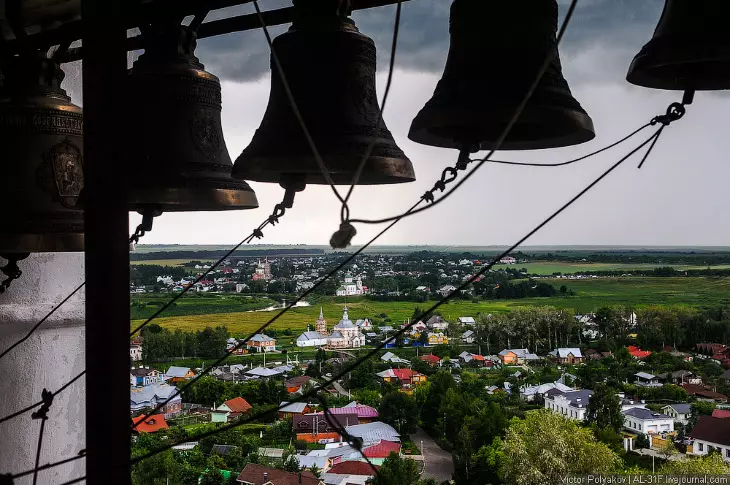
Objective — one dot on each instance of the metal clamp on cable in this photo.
(674, 112)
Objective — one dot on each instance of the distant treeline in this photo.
(658, 272)
(668, 258)
(217, 254)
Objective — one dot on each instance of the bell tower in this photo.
(321, 323)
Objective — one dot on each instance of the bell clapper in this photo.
(148, 216)
(11, 270)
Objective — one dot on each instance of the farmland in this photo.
(552, 267)
(589, 294)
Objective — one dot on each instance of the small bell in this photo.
(41, 135)
(329, 67)
(690, 49)
(489, 71)
(177, 152)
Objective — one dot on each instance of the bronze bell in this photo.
(41, 135)
(330, 68)
(176, 148)
(488, 73)
(690, 49)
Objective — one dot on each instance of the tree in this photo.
(711, 464)
(397, 471)
(545, 446)
(604, 408)
(699, 408)
(642, 441)
(400, 411)
(667, 448)
(423, 338)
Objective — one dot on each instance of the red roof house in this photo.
(637, 353)
(354, 468)
(382, 450)
(721, 413)
(238, 405)
(701, 392)
(259, 475)
(430, 359)
(150, 424)
(404, 377)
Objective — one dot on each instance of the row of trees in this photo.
(161, 344)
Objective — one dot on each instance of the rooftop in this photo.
(645, 414)
(150, 424)
(713, 430)
(254, 474)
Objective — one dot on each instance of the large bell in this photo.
(488, 73)
(41, 135)
(690, 49)
(177, 153)
(330, 68)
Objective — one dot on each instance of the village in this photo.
(668, 399)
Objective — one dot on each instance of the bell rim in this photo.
(584, 132)
(42, 243)
(399, 170)
(192, 200)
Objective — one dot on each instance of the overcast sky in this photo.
(678, 198)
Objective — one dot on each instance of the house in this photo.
(637, 353)
(404, 377)
(529, 393)
(437, 338)
(151, 396)
(373, 433)
(721, 413)
(350, 472)
(229, 410)
(135, 352)
(571, 404)
(468, 337)
(272, 454)
(644, 379)
(179, 374)
(679, 412)
(311, 339)
(295, 383)
(711, 434)
(469, 358)
(416, 328)
(254, 474)
(646, 421)
(467, 321)
(703, 394)
(430, 359)
(446, 290)
(681, 377)
(437, 322)
(144, 376)
(378, 452)
(508, 260)
(364, 324)
(517, 356)
(261, 343)
(322, 463)
(726, 375)
(567, 355)
(391, 357)
(266, 373)
(223, 450)
(364, 413)
(316, 428)
(149, 424)
(289, 410)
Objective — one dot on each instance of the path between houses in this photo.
(439, 464)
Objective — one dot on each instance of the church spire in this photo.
(321, 313)
(344, 313)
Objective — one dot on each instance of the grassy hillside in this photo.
(590, 294)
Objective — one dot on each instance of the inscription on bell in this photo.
(61, 173)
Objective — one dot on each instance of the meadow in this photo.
(590, 294)
(551, 267)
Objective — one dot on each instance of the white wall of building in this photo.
(701, 447)
(638, 425)
(48, 359)
(560, 405)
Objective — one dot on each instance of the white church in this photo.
(345, 335)
(351, 288)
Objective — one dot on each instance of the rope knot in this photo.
(257, 233)
(674, 112)
(428, 196)
(47, 398)
(343, 236)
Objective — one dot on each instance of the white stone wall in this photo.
(560, 405)
(48, 359)
(701, 447)
(648, 426)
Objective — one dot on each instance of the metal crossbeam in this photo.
(174, 9)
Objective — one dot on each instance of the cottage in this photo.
(680, 377)
(571, 404)
(437, 338)
(646, 421)
(149, 424)
(144, 376)
(179, 374)
(261, 343)
(517, 357)
(437, 322)
(316, 428)
(350, 472)
(135, 352)
(289, 410)
(637, 353)
(405, 378)
(711, 434)
(530, 393)
(373, 433)
(254, 474)
(468, 337)
(392, 358)
(679, 412)
(153, 395)
(364, 413)
(295, 383)
(704, 394)
(644, 379)
(565, 355)
(467, 321)
(229, 410)
(430, 359)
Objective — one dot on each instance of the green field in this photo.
(170, 262)
(551, 267)
(144, 306)
(590, 294)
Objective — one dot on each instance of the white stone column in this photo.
(52, 356)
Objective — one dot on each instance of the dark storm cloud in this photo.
(620, 26)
